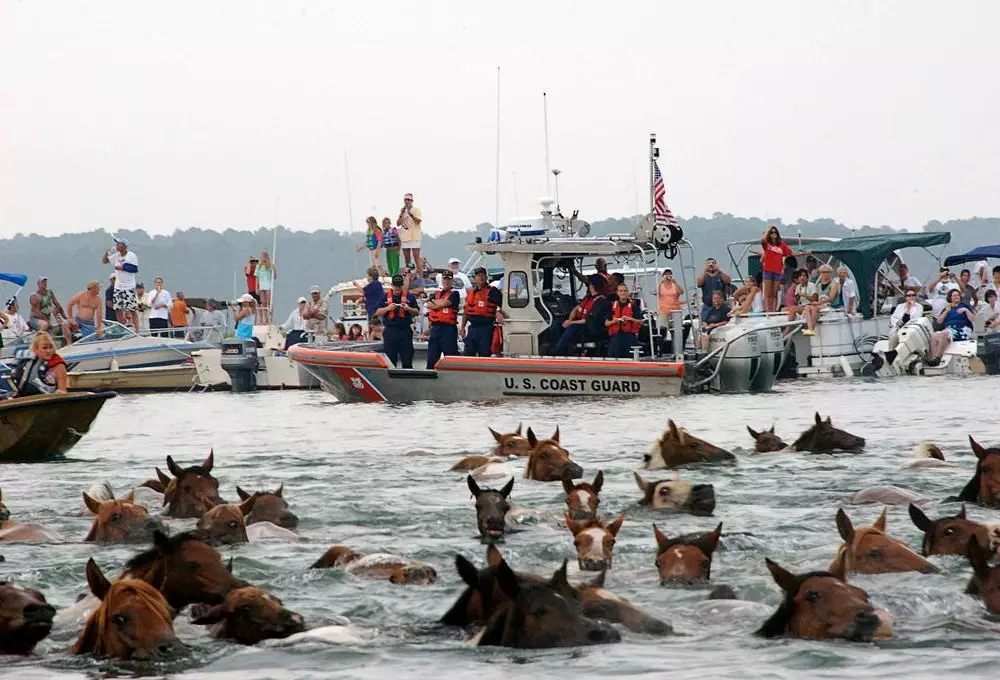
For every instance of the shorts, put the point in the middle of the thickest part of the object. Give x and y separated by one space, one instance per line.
124 299
963 333
771 276
415 243
86 327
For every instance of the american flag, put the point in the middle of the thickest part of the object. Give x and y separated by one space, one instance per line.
664 218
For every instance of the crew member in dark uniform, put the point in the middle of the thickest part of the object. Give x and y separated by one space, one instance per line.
624 324
397 310
442 311
482 305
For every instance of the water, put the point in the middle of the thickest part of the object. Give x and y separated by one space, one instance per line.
346 476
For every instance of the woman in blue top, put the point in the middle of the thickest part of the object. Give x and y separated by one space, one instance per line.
244 317
957 322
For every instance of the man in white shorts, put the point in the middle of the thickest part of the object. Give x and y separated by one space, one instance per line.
126 265
410 221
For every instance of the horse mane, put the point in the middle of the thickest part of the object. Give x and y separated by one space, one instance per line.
146 560
777 625
93 639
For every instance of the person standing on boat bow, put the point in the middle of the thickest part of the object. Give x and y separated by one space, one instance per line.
482 312
442 311
126 265
774 252
397 310
624 324
411 221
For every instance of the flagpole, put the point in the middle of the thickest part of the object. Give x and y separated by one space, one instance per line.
545 119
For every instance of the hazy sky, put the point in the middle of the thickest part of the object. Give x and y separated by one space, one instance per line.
160 115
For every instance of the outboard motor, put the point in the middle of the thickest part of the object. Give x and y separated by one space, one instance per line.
772 348
240 361
742 363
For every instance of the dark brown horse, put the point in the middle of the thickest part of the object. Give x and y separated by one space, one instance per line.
379 566
985 581
687 558
25 618
548 460
133 621
984 487
191 491
482 597
823 437
491 509
120 521
594 541
582 498
948 535
248 616
676 495
821 605
869 550
677 446
766 441
270 506
226 524
185 569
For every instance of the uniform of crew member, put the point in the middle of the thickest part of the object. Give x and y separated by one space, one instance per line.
397 310
442 311
579 319
624 324
482 305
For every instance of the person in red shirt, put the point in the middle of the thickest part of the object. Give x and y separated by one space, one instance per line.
775 250
251 273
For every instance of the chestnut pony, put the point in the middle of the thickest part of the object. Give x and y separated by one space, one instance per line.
226 524
13 531
270 506
582 498
766 441
985 581
511 444
548 460
380 566
191 491
948 535
677 446
594 541
869 550
248 616
120 520
687 558
25 618
984 487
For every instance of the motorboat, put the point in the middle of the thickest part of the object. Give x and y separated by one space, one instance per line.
275 369
176 378
119 347
44 426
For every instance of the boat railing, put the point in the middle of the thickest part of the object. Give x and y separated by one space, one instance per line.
719 353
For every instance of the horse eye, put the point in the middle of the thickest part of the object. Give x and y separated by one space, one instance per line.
115 517
233 524
986 469
812 596
664 491
119 620
191 566
875 554
245 608
647 457
510 445
949 531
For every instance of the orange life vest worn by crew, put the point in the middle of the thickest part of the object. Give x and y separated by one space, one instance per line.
477 303
444 315
618 310
586 304
395 312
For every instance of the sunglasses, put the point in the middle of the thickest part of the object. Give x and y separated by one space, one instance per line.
911 295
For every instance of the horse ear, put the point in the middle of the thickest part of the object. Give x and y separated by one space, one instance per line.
920 518
828 421
175 470
977 448
616 526
772 428
598 481
507 488
977 557
555 437
467 571
507 581
567 481
130 498
839 566
204 615
640 482
672 429
98 584
712 539
518 430
246 507
473 487
280 491
559 579
532 439
229 565
496 435
844 526
961 513
241 493
162 476
92 504
661 538
784 578
161 540
210 461
493 556
753 433
154 484
880 522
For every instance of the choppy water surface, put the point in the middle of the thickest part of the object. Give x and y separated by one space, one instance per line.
350 479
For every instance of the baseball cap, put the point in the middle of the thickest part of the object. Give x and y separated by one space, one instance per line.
315 289
480 270
397 280
302 299
407 197
122 240
446 274
454 260
246 297
42 278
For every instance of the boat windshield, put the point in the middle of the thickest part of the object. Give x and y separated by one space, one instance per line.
112 331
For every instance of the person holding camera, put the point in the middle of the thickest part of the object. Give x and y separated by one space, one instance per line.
250 271
410 220
939 288
397 310
126 266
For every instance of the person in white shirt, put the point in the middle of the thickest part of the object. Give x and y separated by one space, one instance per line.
460 280
213 322
848 290
938 290
993 318
978 279
295 325
907 282
126 265
142 296
994 285
14 321
159 302
904 312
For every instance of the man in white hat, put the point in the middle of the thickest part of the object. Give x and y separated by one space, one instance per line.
295 326
460 280
316 313
410 221
126 265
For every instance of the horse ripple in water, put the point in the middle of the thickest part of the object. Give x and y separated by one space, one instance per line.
120 521
132 622
767 441
685 559
248 616
381 566
548 460
677 446
594 541
511 444
823 437
820 605
949 535
868 550
676 495
491 508
25 618
582 499
984 487
191 491
226 524
270 506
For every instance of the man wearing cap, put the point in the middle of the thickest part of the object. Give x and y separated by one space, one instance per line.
126 265
295 325
88 305
46 311
442 310
397 310
13 320
482 311
316 313
460 280
410 220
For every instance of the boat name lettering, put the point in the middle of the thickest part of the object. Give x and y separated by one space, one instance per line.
575 385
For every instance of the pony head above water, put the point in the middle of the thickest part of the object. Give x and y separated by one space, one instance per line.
766 441
548 460
120 520
270 506
948 535
582 499
685 559
984 487
482 597
491 508
225 524
676 495
248 616
4 512
869 550
677 446
985 581
512 444
820 605
133 621
193 490
594 541
824 437
25 618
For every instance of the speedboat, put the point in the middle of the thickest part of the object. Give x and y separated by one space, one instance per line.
119 348
46 425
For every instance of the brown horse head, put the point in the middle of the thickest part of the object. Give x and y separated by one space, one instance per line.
248 616
537 616
820 605
185 569
160 484
677 446
869 550
473 462
4 512
482 596
512 444
25 618
676 495
391 568
336 556
582 499
548 460
226 524
766 441
120 520
193 490
491 508
984 488
948 535
271 506
603 605
685 559
985 581
824 437
594 541
133 621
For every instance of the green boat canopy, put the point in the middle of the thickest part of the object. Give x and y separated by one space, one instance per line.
864 254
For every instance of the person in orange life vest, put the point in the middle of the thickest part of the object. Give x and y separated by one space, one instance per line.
624 324
577 321
601 265
442 311
482 305
397 310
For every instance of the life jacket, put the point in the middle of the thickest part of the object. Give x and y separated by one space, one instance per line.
443 315
31 375
586 304
477 303
619 310
395 312
609 283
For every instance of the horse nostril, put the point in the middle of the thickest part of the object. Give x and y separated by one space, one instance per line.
603 634
166 648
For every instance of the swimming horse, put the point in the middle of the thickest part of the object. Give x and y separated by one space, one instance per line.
677 446
548 460
120 520
12 531
676 495
248 616
687 558
491 508
191 491
984 487
582 498
507 445
25 619
950 535
269 506
869 550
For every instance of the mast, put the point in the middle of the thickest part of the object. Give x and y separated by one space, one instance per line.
545 118
654 153
496 176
